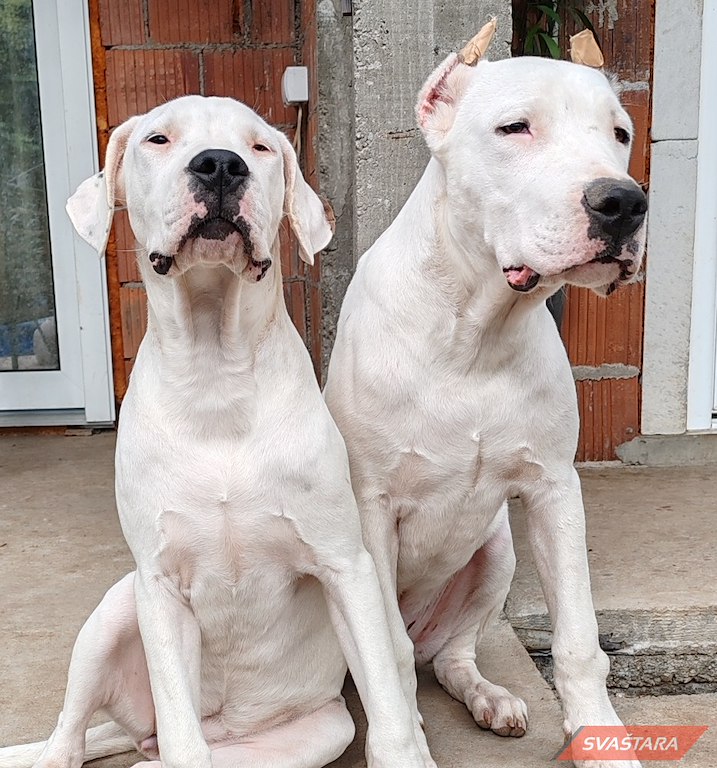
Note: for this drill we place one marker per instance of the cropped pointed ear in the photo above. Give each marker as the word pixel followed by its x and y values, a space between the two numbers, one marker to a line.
pixel 311 220
pixel 91 208
pixel 439 98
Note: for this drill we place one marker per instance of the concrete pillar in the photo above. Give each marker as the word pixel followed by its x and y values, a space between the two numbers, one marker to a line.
pixel 371 153
pixel 396 46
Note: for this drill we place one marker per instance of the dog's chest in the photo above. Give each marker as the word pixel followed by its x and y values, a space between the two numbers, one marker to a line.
pixel 262 623
pixel 459 447
pixel 220 540
pixel 219 519
pixel 448 482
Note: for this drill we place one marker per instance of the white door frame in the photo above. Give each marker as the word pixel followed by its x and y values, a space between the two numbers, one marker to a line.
pixel 82 391
pixel 702 378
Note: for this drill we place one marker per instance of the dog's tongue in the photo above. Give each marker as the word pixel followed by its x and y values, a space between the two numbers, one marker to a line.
pixel 521 278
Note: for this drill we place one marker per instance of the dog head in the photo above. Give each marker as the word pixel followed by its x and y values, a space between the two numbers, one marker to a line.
pixel 535 154
pixel 205 180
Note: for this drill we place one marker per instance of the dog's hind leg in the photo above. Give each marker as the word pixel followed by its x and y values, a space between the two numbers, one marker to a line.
pixel 107 672
pixel 449 632
pixel 311 741
pixel 102 740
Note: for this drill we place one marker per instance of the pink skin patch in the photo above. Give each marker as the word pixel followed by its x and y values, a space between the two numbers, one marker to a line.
pixel 430 626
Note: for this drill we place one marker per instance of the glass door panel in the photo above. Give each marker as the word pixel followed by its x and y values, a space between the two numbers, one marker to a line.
pixel 55 363
pixel 28 328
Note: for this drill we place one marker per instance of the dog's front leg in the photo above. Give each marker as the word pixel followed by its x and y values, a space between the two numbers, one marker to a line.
pixel 556 524
pixel 380 536
pixel 172 644
pixel 358 614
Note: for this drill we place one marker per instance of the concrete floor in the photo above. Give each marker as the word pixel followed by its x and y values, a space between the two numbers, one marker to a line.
pixel 647 519
pixel 653 562
pixel 61 548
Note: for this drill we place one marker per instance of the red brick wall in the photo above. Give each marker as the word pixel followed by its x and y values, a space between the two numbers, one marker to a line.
pixel 145 53
pixel 609 331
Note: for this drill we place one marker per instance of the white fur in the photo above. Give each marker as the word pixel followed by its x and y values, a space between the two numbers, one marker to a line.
pixel 233 491
pixel 454 393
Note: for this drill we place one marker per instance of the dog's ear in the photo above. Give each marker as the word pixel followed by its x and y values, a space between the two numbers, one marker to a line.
pixel 91 208
pixel 439 98
pixel 311 219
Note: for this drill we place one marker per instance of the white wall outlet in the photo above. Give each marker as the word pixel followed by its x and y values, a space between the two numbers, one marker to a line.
pixel 295 85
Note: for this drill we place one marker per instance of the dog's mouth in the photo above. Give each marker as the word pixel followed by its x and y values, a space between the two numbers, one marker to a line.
pixel 524 279
pixel 214 228
pixel 217 228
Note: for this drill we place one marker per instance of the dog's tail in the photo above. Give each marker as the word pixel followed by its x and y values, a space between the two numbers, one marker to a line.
pixel 101 741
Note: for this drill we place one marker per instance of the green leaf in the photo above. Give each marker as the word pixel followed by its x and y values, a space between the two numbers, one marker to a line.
pixel 532 44
pixel 550 12
pixel 553 47
pixel 529 47
pixel 580 16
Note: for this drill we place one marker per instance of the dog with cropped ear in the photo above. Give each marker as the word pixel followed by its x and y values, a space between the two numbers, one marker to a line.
pixel 449 380
pixel 227 646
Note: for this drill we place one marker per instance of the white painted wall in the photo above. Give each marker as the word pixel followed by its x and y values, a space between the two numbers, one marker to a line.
pixel 673 199
pixel 702 378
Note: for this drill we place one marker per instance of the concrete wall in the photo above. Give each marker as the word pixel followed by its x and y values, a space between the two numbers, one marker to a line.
pixel 336 137
pixel 371 66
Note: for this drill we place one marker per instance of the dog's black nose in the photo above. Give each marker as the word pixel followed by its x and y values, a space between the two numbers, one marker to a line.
pixel 219 170
pixel 618 207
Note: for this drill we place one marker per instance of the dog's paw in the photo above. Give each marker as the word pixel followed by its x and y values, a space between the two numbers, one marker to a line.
pixel 496 709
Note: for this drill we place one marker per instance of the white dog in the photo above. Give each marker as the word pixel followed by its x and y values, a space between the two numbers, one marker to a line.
pixel 449 380
pixel 226 647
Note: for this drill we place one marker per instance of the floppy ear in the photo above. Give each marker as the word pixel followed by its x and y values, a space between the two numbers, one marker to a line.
pixel 311 220
pixel 440 96
pixel 92 206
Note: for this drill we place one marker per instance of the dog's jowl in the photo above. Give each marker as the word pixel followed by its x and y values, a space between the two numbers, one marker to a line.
pixel 451 385
pixel 227 646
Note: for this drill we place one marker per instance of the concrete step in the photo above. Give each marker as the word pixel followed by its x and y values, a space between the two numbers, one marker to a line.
pixel 676 710
pixel 653 562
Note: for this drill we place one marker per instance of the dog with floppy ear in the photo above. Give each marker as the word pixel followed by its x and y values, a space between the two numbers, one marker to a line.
pixel 228 644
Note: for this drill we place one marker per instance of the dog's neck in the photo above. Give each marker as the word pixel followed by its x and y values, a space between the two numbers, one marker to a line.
pixel 204 329
pixel 488 313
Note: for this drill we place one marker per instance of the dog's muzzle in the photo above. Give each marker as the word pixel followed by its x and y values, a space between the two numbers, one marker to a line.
pixel 217 180
pixel 616 209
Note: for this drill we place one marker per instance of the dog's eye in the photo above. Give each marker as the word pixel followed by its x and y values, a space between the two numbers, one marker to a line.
pixel 622 135
pixel 519 127
pixel 261 148
pixel 158 138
